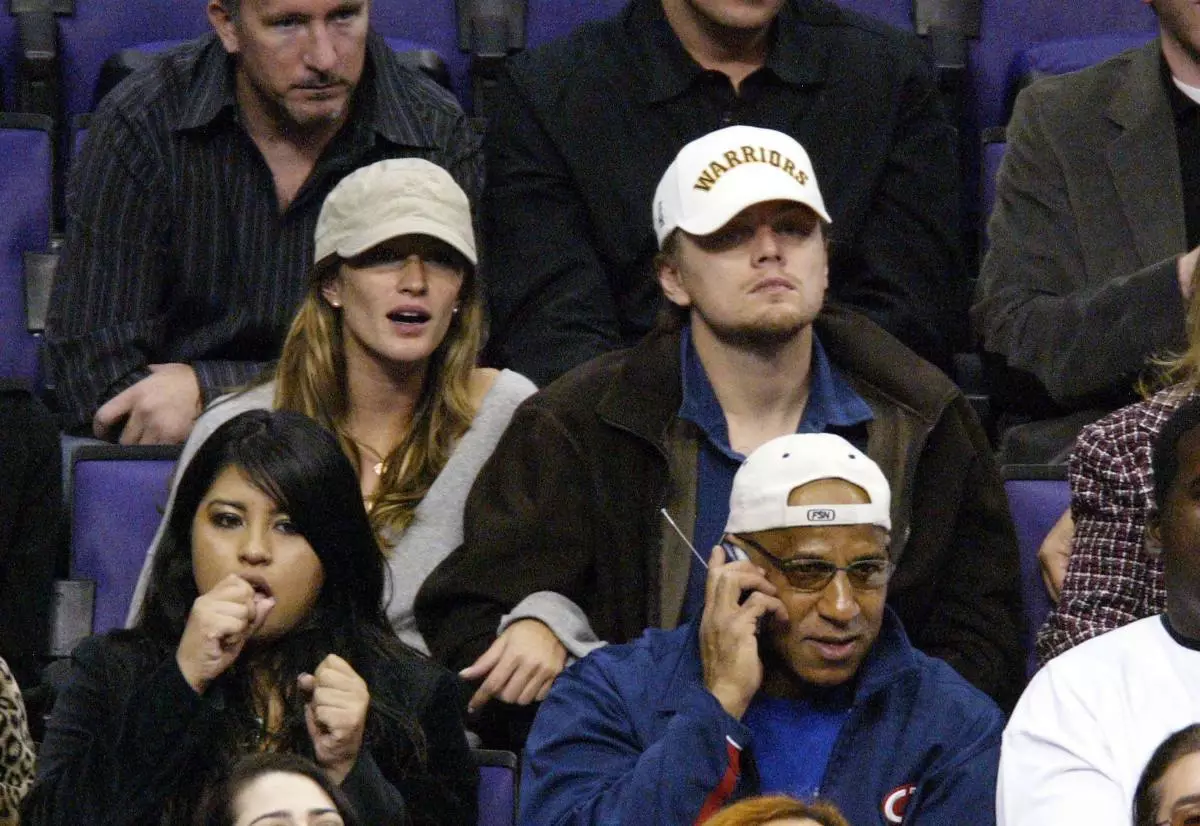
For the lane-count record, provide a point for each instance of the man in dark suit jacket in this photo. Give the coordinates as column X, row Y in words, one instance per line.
column 1098, row 204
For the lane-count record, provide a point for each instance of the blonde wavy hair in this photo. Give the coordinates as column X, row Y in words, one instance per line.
column 1180, row 368
column 311, row 379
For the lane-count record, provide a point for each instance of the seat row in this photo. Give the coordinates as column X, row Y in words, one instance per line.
column 117, row 495
column 59, row 46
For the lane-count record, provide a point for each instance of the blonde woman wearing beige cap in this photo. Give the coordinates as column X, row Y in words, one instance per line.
column 383, row 353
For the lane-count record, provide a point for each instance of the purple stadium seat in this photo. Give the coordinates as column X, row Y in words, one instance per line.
column 1009, row 27
column 431, row 24
column 1037, row 497
column 80, row 135
column 8, row 59
column 994, row 145
column 1056, row 57
column 551, row 19
column 117, row 497
column 25, row 197
column 497, row 787
column 100, row 28
column 898, row 13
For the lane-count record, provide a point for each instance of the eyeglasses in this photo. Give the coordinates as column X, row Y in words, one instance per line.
column 812, row 575
column 1187, row 815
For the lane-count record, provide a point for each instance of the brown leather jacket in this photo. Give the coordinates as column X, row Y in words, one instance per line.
column 569, row 503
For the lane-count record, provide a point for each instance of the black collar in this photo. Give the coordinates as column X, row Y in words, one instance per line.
column 1186, row 642
column 798, row 53
column 379, row 96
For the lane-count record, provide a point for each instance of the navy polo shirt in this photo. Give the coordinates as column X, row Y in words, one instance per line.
column 833, row 407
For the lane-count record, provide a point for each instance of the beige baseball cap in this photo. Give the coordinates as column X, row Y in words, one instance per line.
column 715, row 177
column 390, row 198
column 762, row 485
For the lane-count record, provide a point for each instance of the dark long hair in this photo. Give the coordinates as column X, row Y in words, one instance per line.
column 219, row 804
column 1147, row 797
column 299, row 465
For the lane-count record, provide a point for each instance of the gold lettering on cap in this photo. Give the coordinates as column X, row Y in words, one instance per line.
column 749, row 154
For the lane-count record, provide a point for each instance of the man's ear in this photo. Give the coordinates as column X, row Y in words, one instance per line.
column 224, row 24
column 672, row 284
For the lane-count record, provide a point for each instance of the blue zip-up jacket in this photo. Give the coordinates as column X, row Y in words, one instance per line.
column 629, row 735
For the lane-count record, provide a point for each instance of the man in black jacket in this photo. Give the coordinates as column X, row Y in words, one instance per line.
column 570, row 506
column 583, row 128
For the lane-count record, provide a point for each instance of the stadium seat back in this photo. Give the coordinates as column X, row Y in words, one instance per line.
column 431, row 24
column 497, row 787
column 1009, row 27
column 117, row 499
column 8, row 59
column 101, row 28
column 895, row 12
column 26, row 163
column 1037, row 497
column 994, row 145
column 552, row 19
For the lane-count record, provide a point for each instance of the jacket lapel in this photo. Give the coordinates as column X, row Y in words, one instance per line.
column 1144, row 158
column 676, row 557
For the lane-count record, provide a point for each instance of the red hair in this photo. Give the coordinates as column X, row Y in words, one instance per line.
column 758, row 811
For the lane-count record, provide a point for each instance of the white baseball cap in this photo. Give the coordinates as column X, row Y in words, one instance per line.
column 759, row 500
column 390, row 198
column 715, row 177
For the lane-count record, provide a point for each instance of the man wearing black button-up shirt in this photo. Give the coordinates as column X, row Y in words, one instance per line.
column 192, row 207
column 582, row 129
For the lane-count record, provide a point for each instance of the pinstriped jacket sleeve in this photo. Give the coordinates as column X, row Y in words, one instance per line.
column 117, row 223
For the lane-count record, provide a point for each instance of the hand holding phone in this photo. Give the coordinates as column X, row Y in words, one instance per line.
column 737, row 595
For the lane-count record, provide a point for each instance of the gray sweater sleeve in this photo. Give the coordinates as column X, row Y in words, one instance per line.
column 566, row 619
column 217, row 413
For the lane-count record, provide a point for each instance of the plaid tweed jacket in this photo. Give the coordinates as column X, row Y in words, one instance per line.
column 1111, row 580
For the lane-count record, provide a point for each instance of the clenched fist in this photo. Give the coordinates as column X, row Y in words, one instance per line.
column 220, row 623
column 336, row 714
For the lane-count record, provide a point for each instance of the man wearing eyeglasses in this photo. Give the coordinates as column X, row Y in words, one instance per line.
column 568, row 506
column 797, row 679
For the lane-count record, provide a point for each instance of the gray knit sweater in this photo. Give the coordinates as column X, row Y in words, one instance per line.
column 436, row 529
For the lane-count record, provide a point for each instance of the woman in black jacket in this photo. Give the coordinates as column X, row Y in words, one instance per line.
column 262, row 631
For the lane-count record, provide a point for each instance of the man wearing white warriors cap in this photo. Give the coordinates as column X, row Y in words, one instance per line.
column 796, row 679
column 744, row 352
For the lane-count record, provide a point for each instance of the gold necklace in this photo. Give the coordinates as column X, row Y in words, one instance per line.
column 378, row 466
